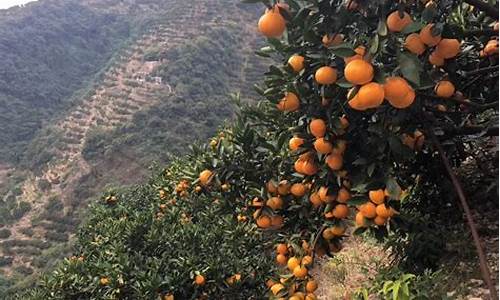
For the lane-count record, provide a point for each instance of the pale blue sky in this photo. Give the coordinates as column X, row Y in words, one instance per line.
column 9, row 3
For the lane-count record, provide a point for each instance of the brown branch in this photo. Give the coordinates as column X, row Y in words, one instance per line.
column 462, row 101
column 470, row 130
column 480, row 32
column 470, row 221
column 315, row 241
column 484, row 6
column 478, row 71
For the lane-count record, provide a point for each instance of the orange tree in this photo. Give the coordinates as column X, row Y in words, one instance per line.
column 362, row 95
column 366, row 82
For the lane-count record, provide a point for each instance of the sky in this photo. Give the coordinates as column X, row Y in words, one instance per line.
column 9, row 3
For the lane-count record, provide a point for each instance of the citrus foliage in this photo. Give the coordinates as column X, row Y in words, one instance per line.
column 337, row 141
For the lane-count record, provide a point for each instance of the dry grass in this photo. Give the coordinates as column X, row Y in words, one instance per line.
column 350, row 269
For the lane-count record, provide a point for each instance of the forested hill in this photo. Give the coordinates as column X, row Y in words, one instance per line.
column 49, row 49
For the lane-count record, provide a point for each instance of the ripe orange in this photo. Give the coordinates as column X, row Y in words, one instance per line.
column 426, row 36
column 491, row 47
column 199, row 280
column 444, row 89
column 448, row 48
column 298, row 189
column 380, row 221
column 311, row 296
column 395, row 88
column 398, row 92
column 377, row 196
column 300, row 272
column 296, row 62
column 414, row 44
column 323, row 146
column 326, row 75
column 332, row 40
column 271, row 187
column 282, row 249
column 281, row 259
column 370, row 95
column 264, row 221
column 307, row 260
column 358, row 72
column 368, row 210
column 334, row 161
column 315, row 199
column 205, row 177
column 340, row 211
column 292, row 263
column 289, row 103
column 306, row 166
column 327, row 234
column 270, row 283
column 295, row 143
column 272, row 24
column 360, row 219
column 317, row 128
column 324, row 196
column 337, row 230
column 276, row 288
column 284, row 188
column 104, row 281
column 395, row 23
column 343, row 195
column 275, row 203
column 383, row 211
column 360, row 53
column 435, row 59
column 311, row 286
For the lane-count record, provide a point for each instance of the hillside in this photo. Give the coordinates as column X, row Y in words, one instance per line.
column 163, row 83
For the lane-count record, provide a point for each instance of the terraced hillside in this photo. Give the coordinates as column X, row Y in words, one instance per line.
column 142, row 83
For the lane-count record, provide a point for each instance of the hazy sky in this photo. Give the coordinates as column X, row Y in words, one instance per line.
column 9, row 3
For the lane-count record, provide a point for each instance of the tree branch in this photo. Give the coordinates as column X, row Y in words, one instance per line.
column 475, row 105
column 480, row 32
column 474, row 129
column 483, row 264
column 484, row 6
column 474, row 72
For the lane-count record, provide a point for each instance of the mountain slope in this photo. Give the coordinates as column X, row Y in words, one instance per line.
column 169, row 87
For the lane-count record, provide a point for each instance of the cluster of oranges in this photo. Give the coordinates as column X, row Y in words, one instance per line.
column 181, row 189
column 266, row 213
column 298, row 284
column 376, row 209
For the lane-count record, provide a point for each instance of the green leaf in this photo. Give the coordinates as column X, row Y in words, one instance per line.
column 413, row 27
column 382, row 28
column 343, row 50
column 374, row 45
column 428, row 14
column 393, row 188
column 342, row 82
column 410, row 67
